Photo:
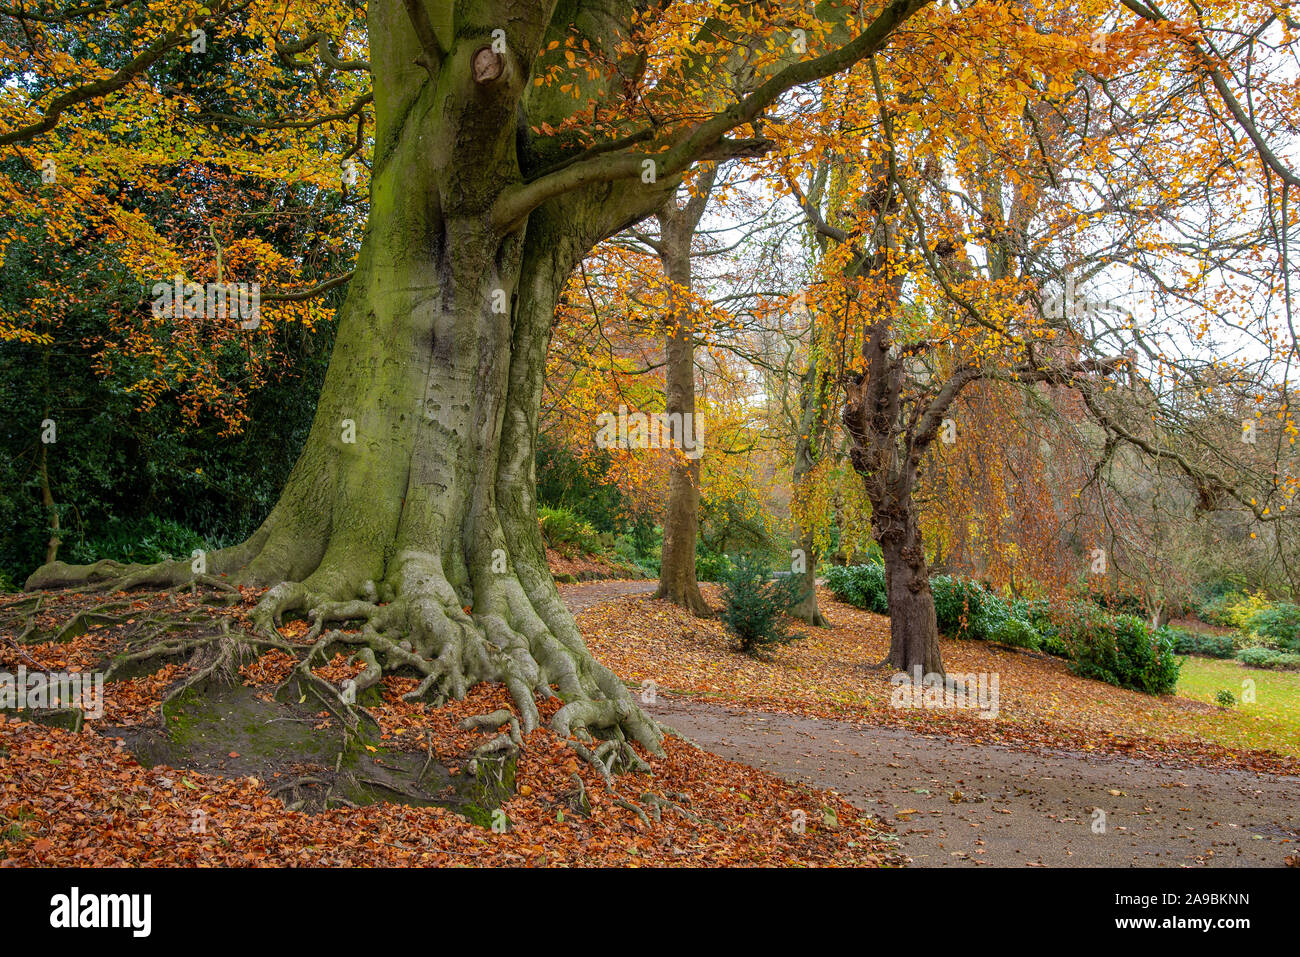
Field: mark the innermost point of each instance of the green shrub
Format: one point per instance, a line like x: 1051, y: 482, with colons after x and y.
x: 1210, y: 592
x: 1268, y: 658
x: 641, y: 548
x: 1053, y: 622
x: 1279, y: 623
x: 754, y: 605
x: 1017, y: 634
x: 711, y: 566
x: 993, y: 615
x: 1256, y: 657
x: 1115, y: 603
x: 862, y: 586
x: 1236, y: 611
x: 1225, y: 699
x: 147, y: 540
x: 1054, y: 644
x: 961, y: 607
x: 567, y: 533
x: 1122, y: 650
x: 1218, y: 609
x: 1192, y: 643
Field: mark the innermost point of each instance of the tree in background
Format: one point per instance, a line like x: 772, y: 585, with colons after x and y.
x: 976, y: 177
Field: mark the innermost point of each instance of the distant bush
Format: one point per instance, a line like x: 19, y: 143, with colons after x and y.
x: 567, y: 533
x: 1116, y: 603
x: 641, y: 548
x: 147, y: 541
x: 1054, y: 644
x: 1210, y: 592
x: 1225, y: 699
x: 1017, y: 634
x: 862, y: 586
x: 1256, y: 657
x: 962, y: 606
x: 1268, y: 658
x: 1236, y: 610
x: 1123, y: 650
x: 754, y: 605
x: 1119, y: 649
x: 1278, y: 623
x: 1215, y: 609
x: 1192, y: 643
x: 711, y: 566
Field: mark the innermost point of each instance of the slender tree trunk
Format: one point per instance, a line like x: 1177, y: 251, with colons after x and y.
x: 806, y: 449
x: 677, y: 581
x: 47, y: 501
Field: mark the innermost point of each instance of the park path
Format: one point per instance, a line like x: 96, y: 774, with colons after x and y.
x: 958, y: 803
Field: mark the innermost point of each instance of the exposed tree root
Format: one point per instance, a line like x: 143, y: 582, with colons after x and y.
x: 634, y: 808
x: 446, y: 647
x: 577, y: 798
x: 107, y: 576
x: 508, y: 744
x: 217, y: 659
x: 24, y: 610
x: 81, y: 622
x: 414, y: 622
x: 675, y: 802
x: 451, y: 650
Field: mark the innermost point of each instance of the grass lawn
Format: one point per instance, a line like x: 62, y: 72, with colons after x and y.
x: 1272, y: 721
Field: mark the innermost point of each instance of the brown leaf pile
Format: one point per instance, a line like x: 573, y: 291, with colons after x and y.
x: 830, y: 673
x: 82, y: 799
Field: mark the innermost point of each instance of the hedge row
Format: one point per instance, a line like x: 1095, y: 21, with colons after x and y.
x: 1120, y: 649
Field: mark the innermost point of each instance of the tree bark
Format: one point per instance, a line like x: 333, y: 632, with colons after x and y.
x: 914, y: 631
x: 806, y: 451
x: 888, y: 468
x: 47, y: 502
x: 677, y: 581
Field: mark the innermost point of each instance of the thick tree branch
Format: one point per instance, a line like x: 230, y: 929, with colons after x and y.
x: 708, y: 138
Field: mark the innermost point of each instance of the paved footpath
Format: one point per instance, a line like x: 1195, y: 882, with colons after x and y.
x: 958, y: 803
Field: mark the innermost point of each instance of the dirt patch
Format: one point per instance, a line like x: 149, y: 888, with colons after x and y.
x: 245, y: 732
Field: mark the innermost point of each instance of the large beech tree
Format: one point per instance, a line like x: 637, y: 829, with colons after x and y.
x: 411, y: 508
